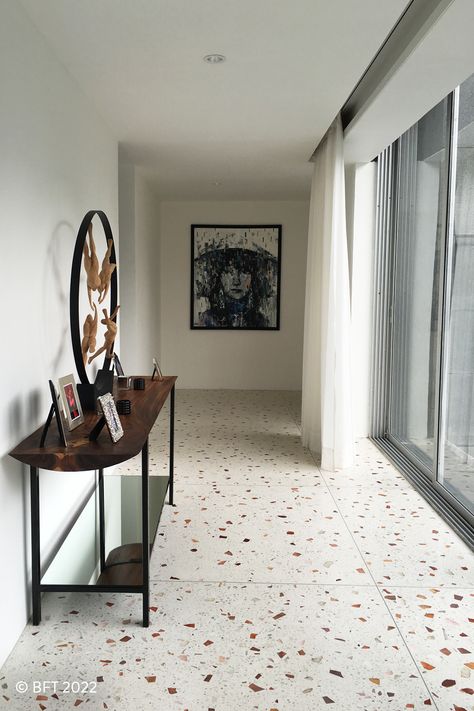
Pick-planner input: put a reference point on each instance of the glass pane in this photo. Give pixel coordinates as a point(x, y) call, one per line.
point(77, 562)
point(457, 464)
point(422, 185)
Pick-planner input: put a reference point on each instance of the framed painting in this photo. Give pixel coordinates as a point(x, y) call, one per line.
point(235, 277)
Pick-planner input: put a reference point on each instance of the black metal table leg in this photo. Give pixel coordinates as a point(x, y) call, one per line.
point(171, 487)
point(145, 538)
point(35, 546)
point(101, 520)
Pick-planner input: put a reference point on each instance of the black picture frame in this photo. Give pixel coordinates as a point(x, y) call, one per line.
point(252, 302)
point(118, 365)
point(55, 412)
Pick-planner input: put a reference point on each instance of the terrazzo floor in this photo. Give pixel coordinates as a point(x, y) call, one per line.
point(275, 586)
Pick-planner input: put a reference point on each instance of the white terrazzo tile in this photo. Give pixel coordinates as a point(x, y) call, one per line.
point(263, 534)
point(403, 540)
point(371, 469)
point(438, 626)
point(291, 618)
point(226, 464)
point(221, 647)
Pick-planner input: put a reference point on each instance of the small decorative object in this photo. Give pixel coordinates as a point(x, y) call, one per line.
point(91, 265)
point(111, 416)
point(106, 272)
point(89, 334)
point(156, 370)
point(124, 382)
point(235, 276)
point(104, 381)
point(118, 365)
point(124, 407)
point(54, 411)
point(84, 327)
point(139, 383)
point(109, 337)
point(70, 400)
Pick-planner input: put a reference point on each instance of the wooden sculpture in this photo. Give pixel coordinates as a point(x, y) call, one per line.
point(89, 334)
point(110, 334)
point(91, 265)
point(106, 272)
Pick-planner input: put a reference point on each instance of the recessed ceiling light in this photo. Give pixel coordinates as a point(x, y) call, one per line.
point(214, 58)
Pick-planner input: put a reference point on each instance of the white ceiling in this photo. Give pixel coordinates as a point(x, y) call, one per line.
point(441, 60)
point(250, 124)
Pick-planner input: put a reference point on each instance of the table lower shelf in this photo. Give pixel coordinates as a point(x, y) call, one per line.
point(76, 562)
point(123, 566)
point(122, 574)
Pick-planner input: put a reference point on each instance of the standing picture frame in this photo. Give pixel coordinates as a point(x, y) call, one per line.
point(112, 419)
point(156, 370)
point(118, 365)
point(54, 411)
point(70, 401)
point(235, 277)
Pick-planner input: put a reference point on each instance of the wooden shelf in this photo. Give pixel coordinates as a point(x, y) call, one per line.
point(129, 553)
point(83, 455)
point(124, 574)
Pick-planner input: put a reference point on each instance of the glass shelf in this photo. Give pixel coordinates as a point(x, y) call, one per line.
point(77, 560)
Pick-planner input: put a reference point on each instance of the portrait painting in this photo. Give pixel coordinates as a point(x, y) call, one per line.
point(235, 277)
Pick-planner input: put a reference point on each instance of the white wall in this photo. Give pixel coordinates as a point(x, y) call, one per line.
point(232, 359)
point(58, 160)
point(139, 267)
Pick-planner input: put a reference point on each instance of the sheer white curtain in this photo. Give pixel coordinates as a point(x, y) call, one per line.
point(326, 415)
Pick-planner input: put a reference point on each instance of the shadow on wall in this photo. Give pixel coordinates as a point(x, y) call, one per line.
point(23, 417)
point(56, 280)
point(16, 474)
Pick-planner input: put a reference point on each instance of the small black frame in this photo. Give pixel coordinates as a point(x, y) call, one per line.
point(258, 249)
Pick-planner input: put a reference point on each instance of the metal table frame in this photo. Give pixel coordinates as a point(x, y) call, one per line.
point(144, 589)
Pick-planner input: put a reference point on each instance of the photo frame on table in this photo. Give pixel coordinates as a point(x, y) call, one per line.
point(54, 411)
point(235, 277)
point(70, 401)
point(156, 370)
point(112, 419)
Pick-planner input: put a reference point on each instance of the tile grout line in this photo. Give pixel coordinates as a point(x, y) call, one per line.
point(379, 591)
point(374, 583)
point(443, 588)
point(261, 582)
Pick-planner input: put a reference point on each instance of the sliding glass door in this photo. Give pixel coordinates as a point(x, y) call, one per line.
point(456, 470)
point(419, 238)
point(424, 306)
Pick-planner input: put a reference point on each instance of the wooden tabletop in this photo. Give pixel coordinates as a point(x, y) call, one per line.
point(84, 455)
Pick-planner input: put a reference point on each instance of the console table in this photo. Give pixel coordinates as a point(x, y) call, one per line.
point(126, 568)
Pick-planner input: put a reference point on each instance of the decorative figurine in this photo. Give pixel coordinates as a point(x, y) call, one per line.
point(106, 272)
point(109, 337)
point(89, 334)
point(91, 265)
